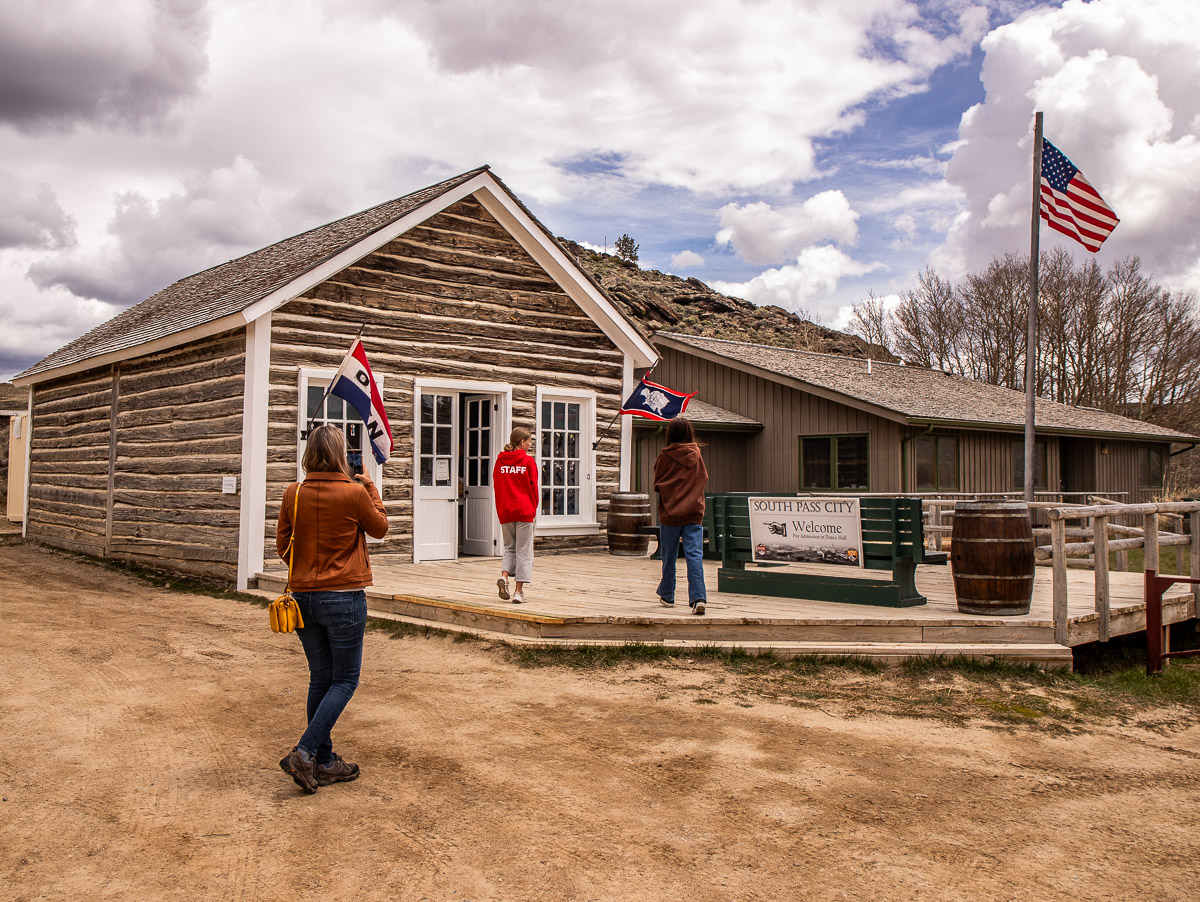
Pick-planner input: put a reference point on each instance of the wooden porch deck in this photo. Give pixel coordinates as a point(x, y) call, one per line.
point(601, 598)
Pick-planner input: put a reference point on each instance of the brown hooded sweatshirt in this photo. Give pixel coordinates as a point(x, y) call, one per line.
point(679, 478)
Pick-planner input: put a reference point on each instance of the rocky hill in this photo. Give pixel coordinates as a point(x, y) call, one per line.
point(661, 302)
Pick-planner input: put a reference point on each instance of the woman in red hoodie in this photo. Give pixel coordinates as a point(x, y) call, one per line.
point(679, 479)
point(515, 483)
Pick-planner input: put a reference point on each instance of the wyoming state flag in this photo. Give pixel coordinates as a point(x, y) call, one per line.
point(655, 402)
point(355, 384)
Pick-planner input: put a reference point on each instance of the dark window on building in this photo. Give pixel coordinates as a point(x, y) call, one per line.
point(834, 462)
point(1150, 467)
point(937, 463)
point(1039, 464)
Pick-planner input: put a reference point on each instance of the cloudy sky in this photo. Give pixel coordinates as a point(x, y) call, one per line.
point(794, 152)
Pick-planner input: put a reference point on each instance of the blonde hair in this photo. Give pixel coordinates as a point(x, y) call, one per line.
point(326, 451)
point(518, 435)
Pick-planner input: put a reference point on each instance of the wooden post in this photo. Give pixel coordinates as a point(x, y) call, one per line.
point(1058, 533)
point(1150, 542)
point(1100, 525)
point(1194, 572)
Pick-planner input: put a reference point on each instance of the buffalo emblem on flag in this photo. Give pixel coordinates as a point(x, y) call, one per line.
point(655, 400)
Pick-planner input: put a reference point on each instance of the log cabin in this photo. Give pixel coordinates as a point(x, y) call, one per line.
point(783, 420)
point(167, 435)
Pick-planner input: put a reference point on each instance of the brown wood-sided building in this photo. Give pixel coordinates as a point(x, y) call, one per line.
point(168, 434)
point(781, 420)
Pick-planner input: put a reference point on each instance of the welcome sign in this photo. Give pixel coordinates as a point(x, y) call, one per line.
point(816, 529)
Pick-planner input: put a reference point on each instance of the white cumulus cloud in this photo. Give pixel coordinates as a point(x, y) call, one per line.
point(761, 233)
point(1116, 81)
point(801, 286)
point(686, 260)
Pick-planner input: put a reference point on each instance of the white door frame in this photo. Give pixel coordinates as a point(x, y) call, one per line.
point(456, 387)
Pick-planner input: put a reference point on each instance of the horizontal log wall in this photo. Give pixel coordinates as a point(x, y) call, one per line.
point(179, 433)
point(141, 480)
point(68, 461)
point(454, 298)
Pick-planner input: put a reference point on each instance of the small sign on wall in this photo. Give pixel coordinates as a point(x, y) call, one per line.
point(819, 530)
point(229, 485)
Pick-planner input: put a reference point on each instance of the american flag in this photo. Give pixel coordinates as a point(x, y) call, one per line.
point(1070, 204)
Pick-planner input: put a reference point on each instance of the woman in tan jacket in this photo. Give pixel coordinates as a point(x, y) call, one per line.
point(327, 532)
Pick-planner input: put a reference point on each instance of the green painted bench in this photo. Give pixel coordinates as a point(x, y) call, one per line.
point(893, 539)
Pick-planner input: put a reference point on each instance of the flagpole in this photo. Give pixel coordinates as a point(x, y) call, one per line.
point(320, 404)
point(1031, 342)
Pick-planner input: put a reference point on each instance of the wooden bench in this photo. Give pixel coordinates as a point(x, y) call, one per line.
point(893, 539)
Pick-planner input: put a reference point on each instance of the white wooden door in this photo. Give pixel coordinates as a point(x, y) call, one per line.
point(435, 492)
point(478, 453)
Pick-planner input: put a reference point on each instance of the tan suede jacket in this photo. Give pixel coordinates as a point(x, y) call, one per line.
point(335, 516)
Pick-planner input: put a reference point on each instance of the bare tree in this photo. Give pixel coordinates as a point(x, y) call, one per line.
point(928, 324)
point(872, 322)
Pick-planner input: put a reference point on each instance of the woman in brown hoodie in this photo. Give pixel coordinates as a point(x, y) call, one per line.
point(323, 524)
point(679, 479)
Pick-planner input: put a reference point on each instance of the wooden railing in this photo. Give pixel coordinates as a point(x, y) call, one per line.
point(1097, 541)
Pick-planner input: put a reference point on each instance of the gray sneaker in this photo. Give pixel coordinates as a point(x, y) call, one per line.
point(698, 607)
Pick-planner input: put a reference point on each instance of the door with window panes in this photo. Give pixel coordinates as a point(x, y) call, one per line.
point(479, 507)
point(435, 493)
point(561, 452)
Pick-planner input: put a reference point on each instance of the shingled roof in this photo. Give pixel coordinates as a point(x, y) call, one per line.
point(914, 394)
point(232, 287)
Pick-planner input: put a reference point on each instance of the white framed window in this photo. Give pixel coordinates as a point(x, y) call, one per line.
point(334, 411)
point(566, 428)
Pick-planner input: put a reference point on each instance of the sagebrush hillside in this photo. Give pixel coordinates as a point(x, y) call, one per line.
point(661, 302)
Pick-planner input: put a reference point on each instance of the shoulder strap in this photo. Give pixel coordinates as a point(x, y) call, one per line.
point(292, 538)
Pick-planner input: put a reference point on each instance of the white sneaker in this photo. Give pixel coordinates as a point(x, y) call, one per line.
point(698, 608)
point(502, 587)
point(518, 598)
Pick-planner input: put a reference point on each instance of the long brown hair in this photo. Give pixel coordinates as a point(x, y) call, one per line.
point(518, 435)
point(326, 451)
point(680, 431)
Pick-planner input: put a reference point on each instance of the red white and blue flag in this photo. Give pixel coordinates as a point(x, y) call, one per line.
point(655, 402)
point(1069, 203)
point(355, 384)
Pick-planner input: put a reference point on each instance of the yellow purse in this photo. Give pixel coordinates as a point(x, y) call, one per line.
point(284, 610)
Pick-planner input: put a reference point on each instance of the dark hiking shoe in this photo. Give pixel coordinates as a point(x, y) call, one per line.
point(336, 771)
point(302, 767)
point(665, 603)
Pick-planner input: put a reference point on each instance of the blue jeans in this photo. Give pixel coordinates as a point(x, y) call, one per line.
point(693, 552)
point(332, 636)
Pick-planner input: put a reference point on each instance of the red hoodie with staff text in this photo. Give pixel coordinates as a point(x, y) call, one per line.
point(514, 478)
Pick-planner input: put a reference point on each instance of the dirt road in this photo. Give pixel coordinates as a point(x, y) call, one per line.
point(143, 729)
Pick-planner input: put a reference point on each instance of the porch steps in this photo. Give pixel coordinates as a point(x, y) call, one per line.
point(887, 642)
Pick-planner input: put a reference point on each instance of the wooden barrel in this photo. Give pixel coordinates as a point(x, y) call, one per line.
point(991, 553)
point(628, 512)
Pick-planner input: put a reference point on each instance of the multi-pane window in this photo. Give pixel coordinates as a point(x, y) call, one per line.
point(834, 462)
point(1150, 467)
point(333, 411)
point(1039, 465)
point(436, 448)
point(560, 450)
point(479, 441)
point(937, 463)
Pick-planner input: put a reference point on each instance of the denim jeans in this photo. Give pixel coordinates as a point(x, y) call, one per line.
point(693, 552)
point(332, 636)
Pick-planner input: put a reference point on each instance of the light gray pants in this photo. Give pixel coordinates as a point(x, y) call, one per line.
point(518, 551)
